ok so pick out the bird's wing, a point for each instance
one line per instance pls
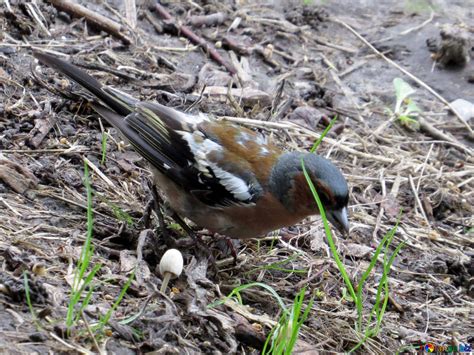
(177, 145)
(172, 141)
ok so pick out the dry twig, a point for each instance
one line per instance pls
(186, 31)
(102, 22)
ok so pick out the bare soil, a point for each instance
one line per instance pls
(298, 65)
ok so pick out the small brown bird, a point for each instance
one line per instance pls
(223, 177)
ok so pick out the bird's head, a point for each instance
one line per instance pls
(288, 183)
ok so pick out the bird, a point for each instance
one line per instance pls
(221, 176)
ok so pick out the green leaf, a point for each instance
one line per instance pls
(411, 107)
(402, 91)
(409, 122)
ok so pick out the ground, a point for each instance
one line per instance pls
(300, 64)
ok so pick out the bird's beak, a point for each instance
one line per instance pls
(339, 219)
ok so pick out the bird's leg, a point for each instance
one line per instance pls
(157, 201)
(226, 245)
(233, 252)
(184, 225)
(195, 240)
(147, 213)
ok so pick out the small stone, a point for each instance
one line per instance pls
(464, 108)
(37, 337)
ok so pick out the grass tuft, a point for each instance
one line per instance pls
(282, 338)
(82, 286)
(380, 305)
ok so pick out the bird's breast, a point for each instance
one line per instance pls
(236, 221)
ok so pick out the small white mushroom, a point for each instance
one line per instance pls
(171, 266)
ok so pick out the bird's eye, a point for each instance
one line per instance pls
(324, 193)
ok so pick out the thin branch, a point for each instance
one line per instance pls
(104, 23)
(187, 32)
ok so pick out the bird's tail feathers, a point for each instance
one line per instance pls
(113, 118)
(147, 148)
(109, 97)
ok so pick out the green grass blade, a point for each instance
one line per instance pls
(387, 271)
(105, 319)
(297, 320)
(105, 135)
(26, 285)
(80, 283)
(237, 290)
(277, 266)
(332, 246)
(284, 335)
(320, 139)
(385, 241)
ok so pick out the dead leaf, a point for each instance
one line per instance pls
(127, 261)
(391, 206)
(317, 240)
(357, 250)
